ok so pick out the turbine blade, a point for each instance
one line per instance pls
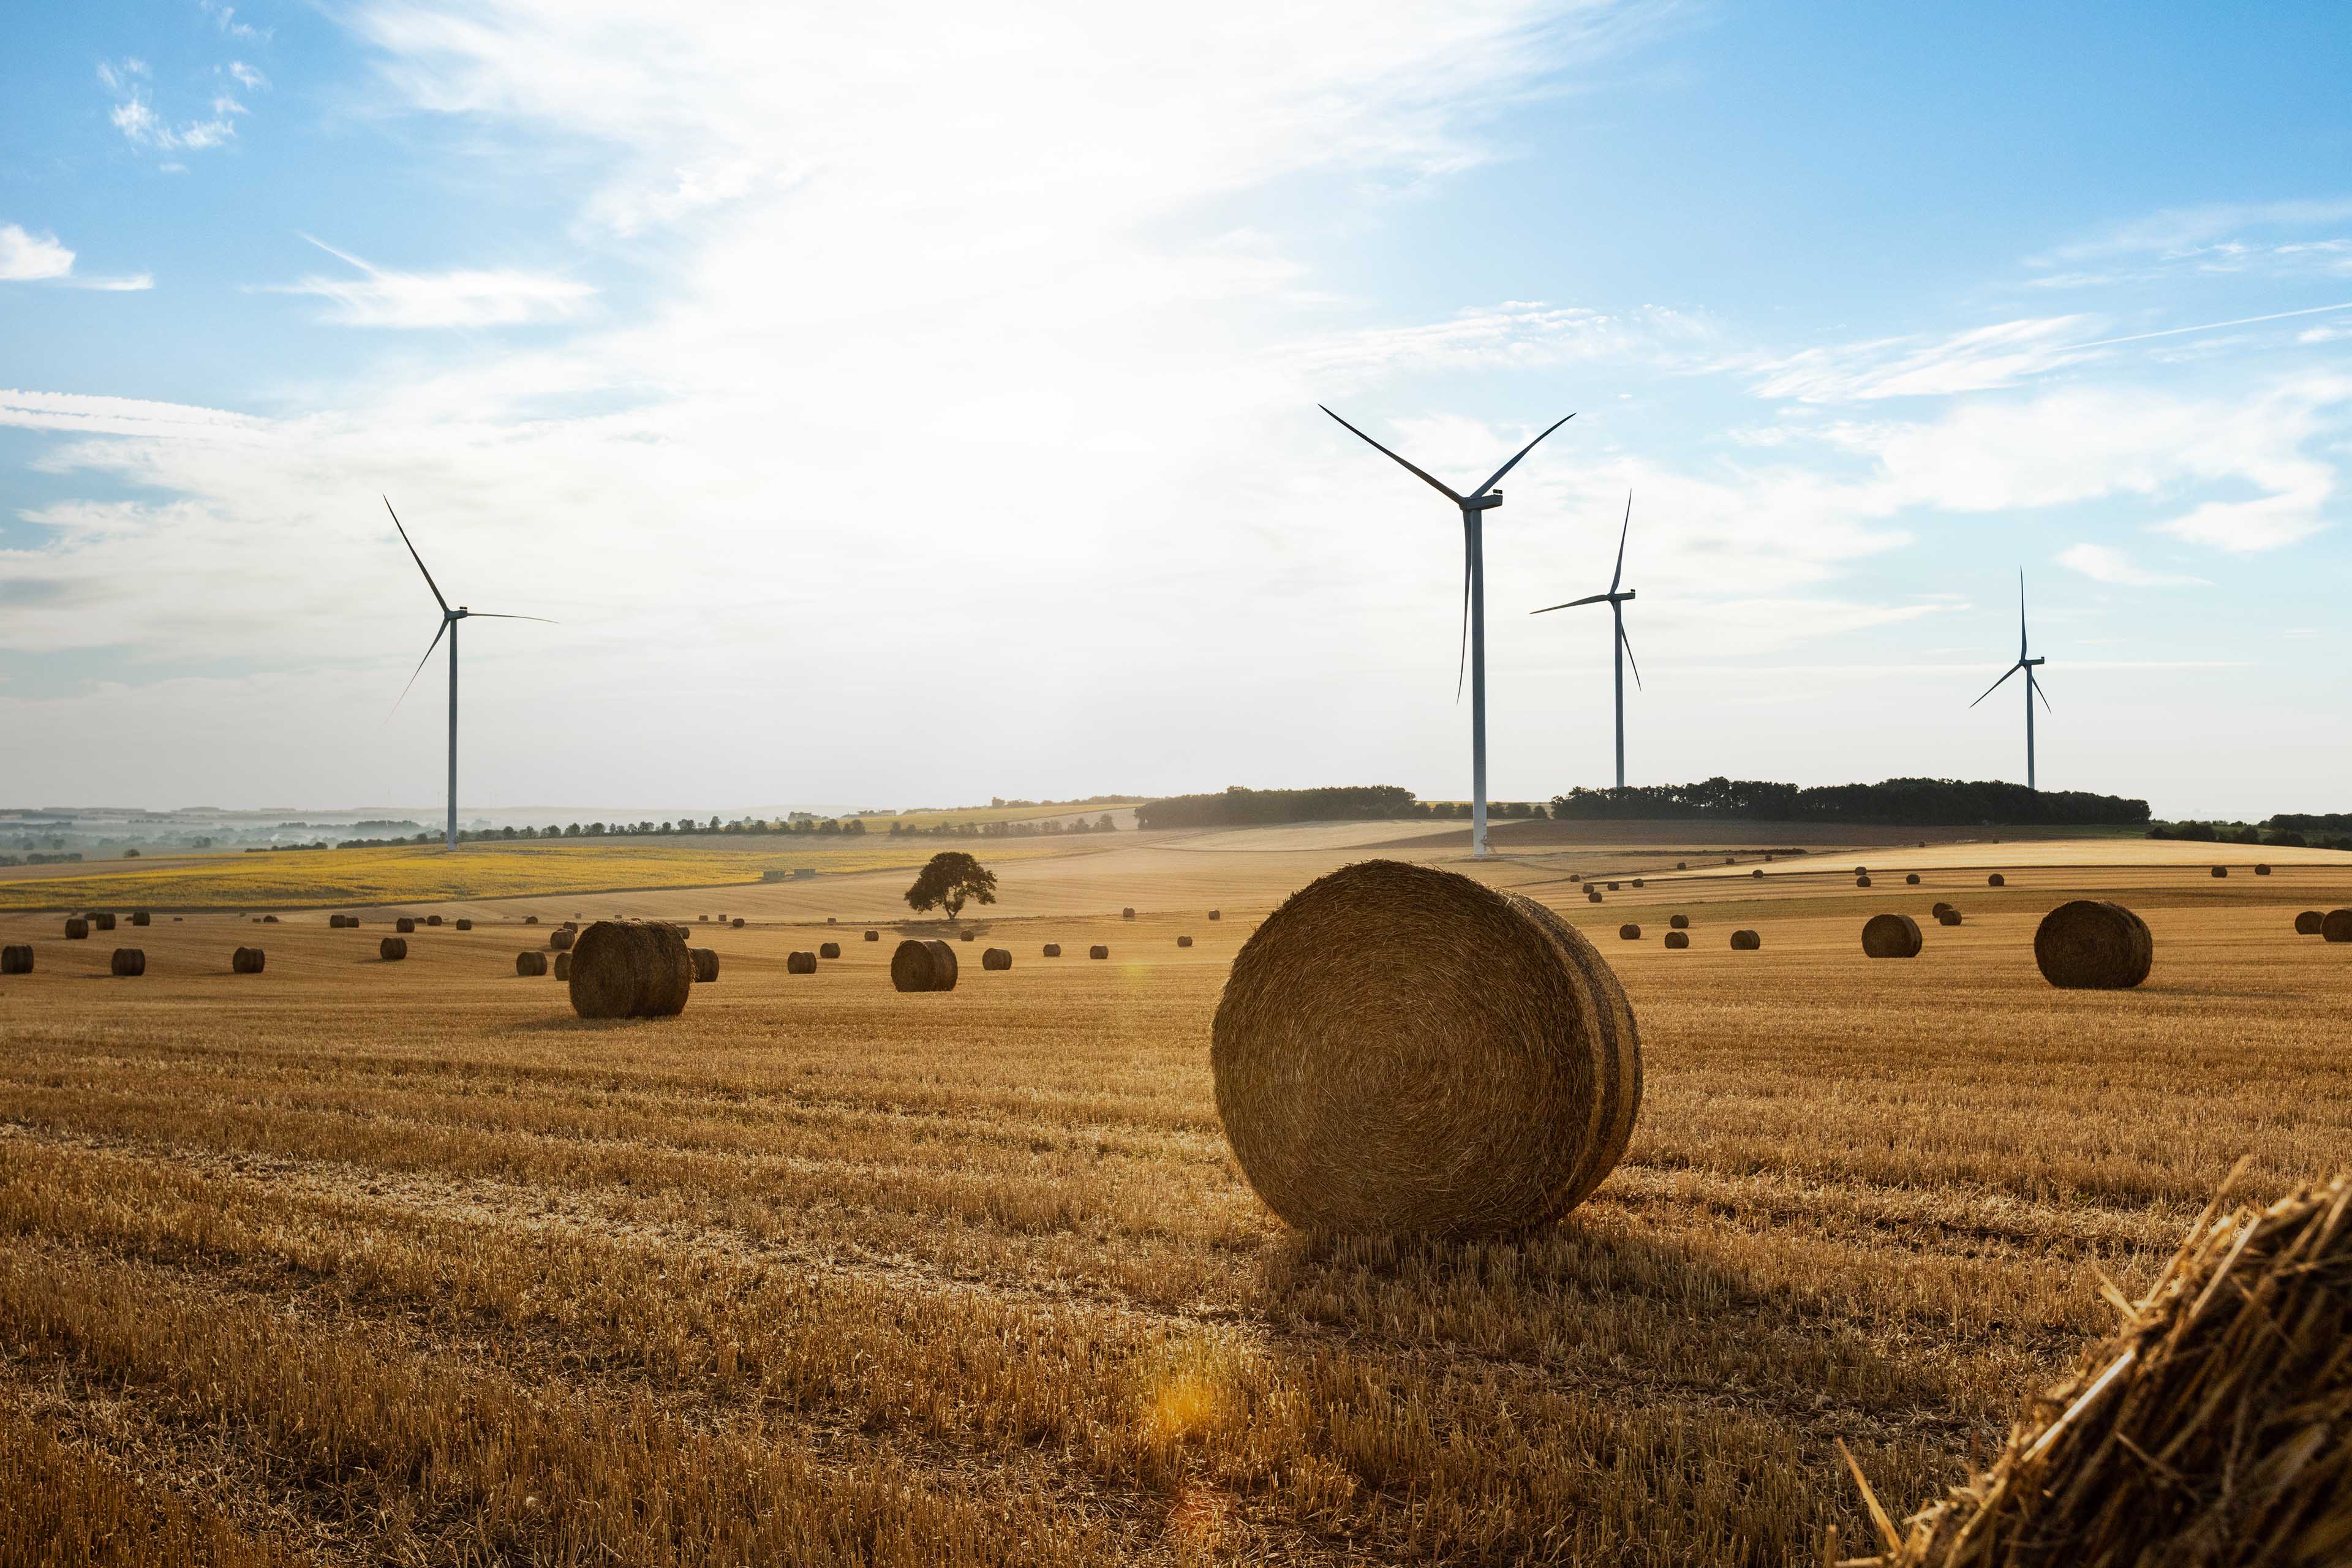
(1627, 643)
(420, 664)
(501, 615)
(1514, 463)
(1588, 599)
(1619, 575)
(1462, 667)
(1997, 685)
(2020, 612)
(418, 559)
(1441, 487)
(2038, 692)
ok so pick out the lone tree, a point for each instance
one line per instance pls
(951, 877)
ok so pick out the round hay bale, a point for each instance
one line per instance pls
(405, 925)
(563, 966)
(1911, 878)
(1682, 864)
(1216, 914)
(2308, 923)
(2221, 870)
(1938, 907)
(630, 969)
(392, 949)
(705, 965)
(996, 958)
(1403, 1050)
(704, 919)
(141, 918)
(874, 936)
(1731, 860)
(1127, 914)
(1862, 870)
(1054, 949)
(1996, 880)
(1637, 881)
(102, 922)
(1576, 876)
(1099, 951)
(16, 959)
(247, 960)
(561, 937)
(1613, 888)
(1678, 922)
(465, 925)
(1678, 938)
(828, 950)
(965, 935)
(1592, 896)
(130, 961)
(1746, 942)
(1629, 932)
(2206, 1429)
(2261, 869)
(2089, 944)
(1949, 918)
(1862, 882)
(1890, 936)
(1184, 941)
(737, 922)
(530, 919)
(432, 920)
(76, 927)
(919, 965)
(2335, 925)
(530, 962)
(800, 963)
(269, 919)
(1758, 872)
(832, 919)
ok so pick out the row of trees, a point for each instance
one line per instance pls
(854, 827)
(2276, 833)
(1911, 803)
(1102, 823)
(1239, 808)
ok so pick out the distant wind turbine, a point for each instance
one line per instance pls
(2032, 686)
(1622, 649)
(450, 619)
(1486, 498)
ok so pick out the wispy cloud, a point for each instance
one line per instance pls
(75, 415)
(224, 18)
(1977, 360)
(28, 257)
(464, 298)
(2105, 564)
(142, 126)
(1513, 335)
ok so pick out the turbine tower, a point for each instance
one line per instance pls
(450, 619)
(2032, 686)
(1620, 647)
(1485, 498)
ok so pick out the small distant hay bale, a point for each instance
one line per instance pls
(2090, 944)
(832, 919)
(996, 958)
(737, 922)
(1637, 881)
(1862, 870)
(247, 960)
(563, 966)
(405, 925)
(2221, 870)
(1938, 907)
(1613, 888)
(561, 938)
(531, 964)
(1099, 951)
(76, 927)
(1890, 936)
(530, 919)
(1402, 1050)
(874, 936)
(432, 920)
(16, 959)
(1746, 942)
(1678, 938)
(392, 949)
(1862, 882)
(130, 961)
(1576, 876)
(1184, 941)
(1682, 864)
(2335, 925)
(1054, 949)
(630, 969)
(1216, 914)
(1127, 914)
(1592, 895)
(1949, 918)
(141, 918)
(102, 922)
(465, 925)
(828, 950)
(923, 965)
(704, 919)
(2209, 1428)
(2308, 923)
(269, 919)
(1629, 932)
(2261, 869)
(1911, 880)
(1758, 872)
(800, 963)
(706, 964)
(1996, 880)
(965, 935)
(1731, 860)
(1678, 922)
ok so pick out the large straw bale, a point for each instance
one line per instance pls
(996, 958)
(16, 959)
(706, 964)
(2335, 925)
(392, 949)
(406, 925)
(1678, 922)
(561, 938)
(1890, 936)
(129, 962)
(465, 925)
(1402, 1050)
(76, 927)
(247, 960)
(1950, 917)
(563, 966)
(2308, 923)
(800, 963)
(1745, 940)
(2090, 944)
(141, 918)
(432, 920)
(630, 969)
(828, 950)
(923, 965)
(1629, 932)
(530, 962)
(2208, 1429)
(102, 922)
(1678, 938)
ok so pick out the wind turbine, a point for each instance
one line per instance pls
(1485, 498)
(2032, 686)
(450, 619)
(1620, 647)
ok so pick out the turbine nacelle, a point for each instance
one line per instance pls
(1486, 502)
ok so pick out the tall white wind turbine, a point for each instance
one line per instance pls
(2032, 686)
(1620, 647)
(450, 619)
(1485, 498)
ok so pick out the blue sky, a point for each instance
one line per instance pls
(912, 406)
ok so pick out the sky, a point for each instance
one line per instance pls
(902, 404)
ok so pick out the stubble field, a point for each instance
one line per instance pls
(355, 1261)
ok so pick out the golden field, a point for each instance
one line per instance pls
(355, 1261)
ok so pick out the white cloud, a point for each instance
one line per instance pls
(142, 126)
(224, 18)
(2105, 564)
(29, 258)
(1977, 360)
(466, 297)
(77, 414)
(247, 77)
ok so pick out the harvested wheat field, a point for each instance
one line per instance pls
(349, 1262)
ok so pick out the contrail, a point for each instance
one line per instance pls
(2207, 327)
